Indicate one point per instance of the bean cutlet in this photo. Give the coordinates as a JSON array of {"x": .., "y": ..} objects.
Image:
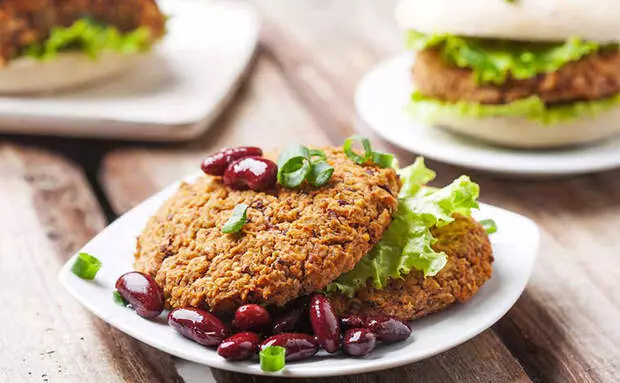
[{"x": 296, "y": 241}]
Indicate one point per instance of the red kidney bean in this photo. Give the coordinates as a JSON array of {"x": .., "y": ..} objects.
[
  {"x": 198, "y": 325},
  {"x": 388, "y": 329},
  {"x": 351, "y": 321},
  {"x": 142, "y": 292},
  {"x": 298, "y": 346},
  {"x": 252, "y": 317},
  {"x": 359, "y": 341},
  {"x": 289, "y": 319},
  {"x": 216, "y": 163},
  {"x": 254, "y": 173},
  {"x": 241, "y": 346},
  {"x": 325, "y": 323}
]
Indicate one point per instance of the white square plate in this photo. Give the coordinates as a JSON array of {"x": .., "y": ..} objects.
[
  {"x": 515, "y": 246},
  {"x": 172, "y": 95}
]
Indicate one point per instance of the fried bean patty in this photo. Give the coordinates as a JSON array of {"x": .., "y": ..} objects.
[
  {"x": 469, "y": 266},
  {"x": 593, "y": 77},
  {"x": 24, "y": 22},
  {"x": 295, "y": 241}
]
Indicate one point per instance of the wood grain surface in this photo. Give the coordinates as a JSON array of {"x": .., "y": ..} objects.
[{"x": 48, "y": 212}]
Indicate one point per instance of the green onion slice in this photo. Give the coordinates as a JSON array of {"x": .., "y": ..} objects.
[
  {"x": 272, "y": 358},
  {"x": 348, "y": 150},
  {"x": 489, "y": 225},
  {"x": 317, "y": 153},
  {"x": 294, "y": 172},
  {"x": 118, "y": 299},
  {"x": 321, "y": 173},
  {"x": 291, "y": 152},
  {"x": 384, "y": 160},
  {"x": 236, "y": 220},
  {"x": 86, "y": 266}
]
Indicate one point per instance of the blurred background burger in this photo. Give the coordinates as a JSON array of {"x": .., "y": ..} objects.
[
  {"x": 47, "y": 45},
  {"x": 522, "y": 73}
]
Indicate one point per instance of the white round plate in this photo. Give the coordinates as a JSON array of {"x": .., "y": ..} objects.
[
  {"x": 515, "y": 246},
  {"x": 174, "y": 94},
  {"x": 383, "y": 94}
]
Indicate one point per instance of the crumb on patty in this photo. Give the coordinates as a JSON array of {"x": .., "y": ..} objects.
[
  {"x": 295, "y": 241},
  {"x": 594, "y": 77},
  {"x": 469, "y": 266}
]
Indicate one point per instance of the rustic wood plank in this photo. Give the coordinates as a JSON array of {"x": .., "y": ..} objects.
[
  {"x": 268, "y": 114},
  {"x": 48, "y": 211}
]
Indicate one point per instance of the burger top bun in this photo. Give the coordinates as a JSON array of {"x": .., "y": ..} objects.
[
  {"x": 67, "y": 70},
  {"x": 543, "y": 20}
]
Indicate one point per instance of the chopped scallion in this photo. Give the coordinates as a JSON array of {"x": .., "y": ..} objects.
[
  {"x": 86, "y": 266},
  {"x": 118, "y": 299},
  {"x": 272, "y": 358},
  {"x": 297, "y": 164},
  {"x": 348, "y": 149},
  {"x": 321, "y": 173},
  {"x": 236, "y": 220},
  {"x": 294, "y": 172},
  {"x": 384, "y": 160},
  {"x": 489, "y": 225}
]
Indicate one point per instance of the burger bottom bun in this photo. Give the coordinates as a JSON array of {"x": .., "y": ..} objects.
[
  {"x": 525, "y": 134},
  {"x": 67, "y": 70}
]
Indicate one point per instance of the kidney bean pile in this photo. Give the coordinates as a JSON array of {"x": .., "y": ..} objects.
[
  {"x": 242, "y": 168},
  {"x": 304, "y": 326}
]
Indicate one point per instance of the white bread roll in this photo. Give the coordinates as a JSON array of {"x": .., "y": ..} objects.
[
  {"x": 547, "y": 20},
  {"x": 67, "y": 70},
  {"x": 525, "y": 134}
]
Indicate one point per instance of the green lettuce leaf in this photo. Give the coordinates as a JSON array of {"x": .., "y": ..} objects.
[
  {"x": 532, "y": 108},
  {"x": 407, "y": 244},
  {"x": 493, "y": 61},
  {"x": 91, "y": 38}
]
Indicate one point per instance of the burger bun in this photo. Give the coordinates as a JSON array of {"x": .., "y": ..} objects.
[
  {"x": 67, "y": 70},
  {"x": 530, "y": 20}
]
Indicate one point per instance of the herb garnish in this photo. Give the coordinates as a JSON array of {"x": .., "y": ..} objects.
[
  {"x": 236, "y": 220},
  {"x": 86, "y": 266}
]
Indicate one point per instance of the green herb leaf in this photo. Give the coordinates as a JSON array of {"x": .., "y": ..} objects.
[
  {"x": 118, "y": 299},
  {"x": 321, "y": 173},
  {"x": 494, "y": 60},
  {"x": 91, "y": 38},
  {"x": 436, "y": 111},
  {"x": 407, "y": 243},
  {"x": 348, "y": 149},
  {"x": 272, "y": 358},
  {"x": 236, "y": 220},
  {"x": 294, "y": 172},
  {"x": 317, "y": 153},
  {"x": 296, "y": 164},
  {"x": 384, "y": 160},
  {"x": 489, "y": 225},
  {"x": 86, "y": 266},
  {"x": 291, "y": 152}
]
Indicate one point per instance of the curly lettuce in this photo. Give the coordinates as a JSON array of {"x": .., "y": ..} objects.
[
  {"x": 91, "y": 38},
  {"x": 493, "y": 61},
  {"x": 430, "y": 109},
  {"x": 407, "y": 243}
]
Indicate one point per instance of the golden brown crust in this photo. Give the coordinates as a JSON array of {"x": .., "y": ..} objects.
[
  {"x": 592, "y": 78},
  {"x": 469, "y": 266},
  {"x": 24, "y": 22},
  {"x": 295, "y": 242}
]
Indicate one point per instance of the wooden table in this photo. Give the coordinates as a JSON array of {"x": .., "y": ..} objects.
[{"x": 55, "y": 194}]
